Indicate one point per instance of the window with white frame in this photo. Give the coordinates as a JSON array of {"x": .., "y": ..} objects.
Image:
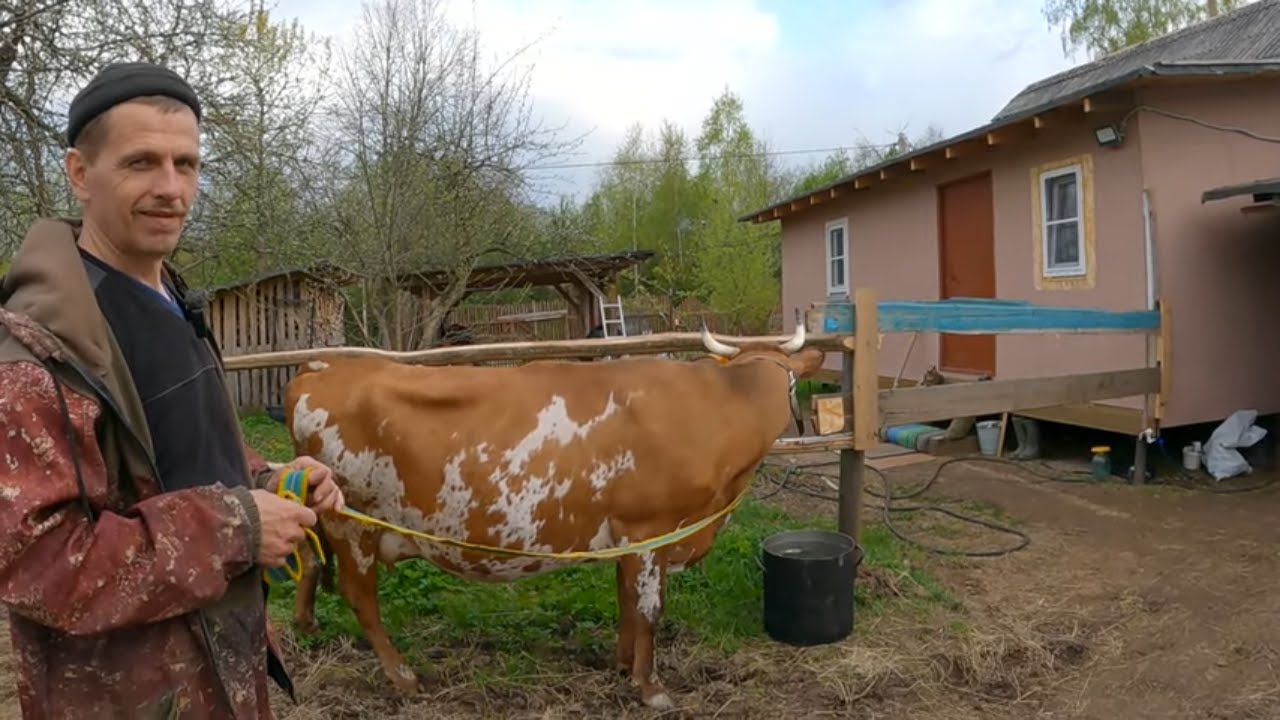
[
  {"x": 1062, "y": 222},
  {"x": 837, "y": 244}
]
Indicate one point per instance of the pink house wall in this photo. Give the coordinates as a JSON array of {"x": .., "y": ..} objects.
[
  {"x": 893, "y": 234},
  {"x": 1217, "y": 266}
]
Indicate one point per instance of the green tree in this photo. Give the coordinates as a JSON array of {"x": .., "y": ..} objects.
[
  {"x": 1102, "y": 27},
  {"x": 252, "y": 216},
  {"x": 738, "y": 263}
]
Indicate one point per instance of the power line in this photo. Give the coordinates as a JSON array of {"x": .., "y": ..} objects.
[{"x": 682, "y": 158}]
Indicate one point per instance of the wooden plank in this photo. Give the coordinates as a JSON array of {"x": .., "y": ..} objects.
[
  {"x": 1095, "y": 416},
  {"x": 941, "y": 402},
  {"x": 984, "y": 316},
  {"x": 829, "y": 414},
  {"x": 866, "y": 420}
]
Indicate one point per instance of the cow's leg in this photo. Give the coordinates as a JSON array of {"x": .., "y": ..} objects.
[
  {"x": 643, "y": 582},
  {"x": 304, "y": 601},
  {"x": 355, "y": 549},
  {"x": 626, "y": 650}
]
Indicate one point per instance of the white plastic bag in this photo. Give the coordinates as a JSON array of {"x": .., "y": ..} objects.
[{"x": 1221, "y": 458}]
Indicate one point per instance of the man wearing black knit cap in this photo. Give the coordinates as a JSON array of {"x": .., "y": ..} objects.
[{"x": 134, "y": 522}]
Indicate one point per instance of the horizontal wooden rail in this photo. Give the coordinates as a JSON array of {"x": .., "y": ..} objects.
[
  {"x": 543, "y": 350},
  {"x": 943, "y": 402}
]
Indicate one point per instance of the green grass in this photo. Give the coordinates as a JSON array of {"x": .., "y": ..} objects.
[{"x": 716, "y": 603}]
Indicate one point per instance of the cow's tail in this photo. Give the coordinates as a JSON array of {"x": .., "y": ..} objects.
[{"x": 326, "y": 565}]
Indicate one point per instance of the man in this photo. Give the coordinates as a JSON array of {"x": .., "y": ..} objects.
[{"x": 134, "y": 522}]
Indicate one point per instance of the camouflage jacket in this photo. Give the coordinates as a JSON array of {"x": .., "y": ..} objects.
[{"x": 124, "y": 601}]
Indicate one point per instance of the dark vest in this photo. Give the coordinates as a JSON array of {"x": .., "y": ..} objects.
[{"x": 176, "y": 372}]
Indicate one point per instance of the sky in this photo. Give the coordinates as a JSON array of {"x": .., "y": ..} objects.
[{"x": 812, "y": 74}]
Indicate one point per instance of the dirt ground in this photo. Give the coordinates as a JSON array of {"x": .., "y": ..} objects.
[{"x": 1129, "y": 602}]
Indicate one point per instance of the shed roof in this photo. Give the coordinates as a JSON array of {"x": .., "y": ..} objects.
[
  {"x": 1243, "y": 42},
  {"x": 1230, "y": 42},
  {"x": 323, "y": 272},
  {"x": 542, "y": 272}
]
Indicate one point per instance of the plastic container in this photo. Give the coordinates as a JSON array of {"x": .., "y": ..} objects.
[
  {"x": 808, "y": 586},
  {"x": 988, "y": 436},
  {"x": 1191, "y": 457},
  {"x": 1101, "y": 462}
]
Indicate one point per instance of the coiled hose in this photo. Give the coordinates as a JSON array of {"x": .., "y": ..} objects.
[{"x": 891, "y": 502}]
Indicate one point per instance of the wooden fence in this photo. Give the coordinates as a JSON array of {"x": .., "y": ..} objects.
[
  {"x": 282, "y": 313},
  {"x": 854, "y": 330}
]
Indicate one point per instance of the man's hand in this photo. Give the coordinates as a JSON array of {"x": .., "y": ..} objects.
[
  {"x": 283, "y": 522},
  {"x": 323, "y": 494}
]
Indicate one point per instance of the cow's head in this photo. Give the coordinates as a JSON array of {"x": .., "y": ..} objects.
[{"x": 792, "y": 354}]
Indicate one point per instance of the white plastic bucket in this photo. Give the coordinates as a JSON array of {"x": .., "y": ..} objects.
[
  {"x": 988, "y": 436},
  {"x": 1191, "y": 457}
]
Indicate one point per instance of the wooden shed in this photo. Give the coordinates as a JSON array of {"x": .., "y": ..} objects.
[
  {"x": 294, "y": 309},
  {"x": 582, "y": 281}
]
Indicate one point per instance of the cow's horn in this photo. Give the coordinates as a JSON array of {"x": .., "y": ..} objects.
[
  {"x": 715, "y": 347},
  {"x": 796, "y": 342}
]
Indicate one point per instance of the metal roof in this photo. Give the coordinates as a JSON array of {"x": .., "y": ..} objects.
[{"x": 1245, "y": 36}]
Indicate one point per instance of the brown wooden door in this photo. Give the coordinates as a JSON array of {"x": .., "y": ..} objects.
[{"x": 966, "y": 244}]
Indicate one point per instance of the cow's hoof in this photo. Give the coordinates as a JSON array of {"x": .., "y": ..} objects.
[
  {"x": 306, "y": 627},
  {"x": 405, "y": 680},
  {"x": 659, "y": 701}
]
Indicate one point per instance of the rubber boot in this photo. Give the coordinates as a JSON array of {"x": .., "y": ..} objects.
[
  {"x": 1028, "y": 432},
  {"x": 1020, "y": 436}
]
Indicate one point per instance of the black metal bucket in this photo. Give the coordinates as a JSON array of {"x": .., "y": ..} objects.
[{"x": 808, "y": 586}]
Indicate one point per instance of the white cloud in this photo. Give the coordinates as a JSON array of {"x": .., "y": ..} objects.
[{"x": 871, "y": 66}]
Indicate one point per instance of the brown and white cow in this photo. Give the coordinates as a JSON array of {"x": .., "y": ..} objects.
[{"x": 546, "y": 457}]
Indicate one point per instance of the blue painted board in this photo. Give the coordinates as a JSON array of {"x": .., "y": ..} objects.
[{"x": 982, "y": 316}]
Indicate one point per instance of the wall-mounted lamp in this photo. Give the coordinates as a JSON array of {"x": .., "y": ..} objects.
[{"x": 1108, "y": 135}]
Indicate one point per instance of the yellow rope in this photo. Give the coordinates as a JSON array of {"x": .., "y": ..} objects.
[{"x": 293, "y": 486}]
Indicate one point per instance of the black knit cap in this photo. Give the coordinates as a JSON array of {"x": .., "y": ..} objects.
[{"x": 120, "y": 82}]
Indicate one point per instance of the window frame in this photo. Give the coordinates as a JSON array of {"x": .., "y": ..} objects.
[
  {"x": 843, "y": 225},
  {"x": 1081, "y": 267}
]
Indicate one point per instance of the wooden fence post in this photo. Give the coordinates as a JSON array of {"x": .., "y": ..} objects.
[{"x": 861, "y": 381}]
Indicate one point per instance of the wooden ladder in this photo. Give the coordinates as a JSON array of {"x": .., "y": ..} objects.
[{"x": 619, "y": 322}]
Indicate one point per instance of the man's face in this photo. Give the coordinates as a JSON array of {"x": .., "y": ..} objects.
[{"x": 138, "y": 185}]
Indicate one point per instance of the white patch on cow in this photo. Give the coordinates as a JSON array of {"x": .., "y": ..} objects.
[
  {"x": 454, "y": 501},
  {"x": 370, "y": 476},
  {"x": 554, "y": 423},
  {"x": 517, "y": 506},
  {"x": 604, "y": 472},
  {"x": 603, "y": 538},
  {"x": 9, "y": 492},
  {"x": 675, "y": 567},
  {"x": 349, "y": 531},
  {"x": 649, "y": 588},
  {"x": 317, "y": 365},
  {"x": 373, "y": 485}
]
